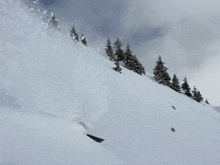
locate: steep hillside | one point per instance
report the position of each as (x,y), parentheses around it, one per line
(53,90)
(217,109)
(49,85)
(138,125)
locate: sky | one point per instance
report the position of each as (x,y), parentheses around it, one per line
(185,33)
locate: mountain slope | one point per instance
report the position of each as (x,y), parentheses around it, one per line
(217,109)
(53,90)
(138,126)
(45,94)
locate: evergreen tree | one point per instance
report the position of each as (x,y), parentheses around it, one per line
(73,34)
(118,51)
(109,50)
(166,79)
(195,94)
(138,68)
(141,68)
(175,84)
(200,98)
(127,55)
(160,73)
(83,39)
(131,62)
(185,87)
(206,101)
(117,68)
(53,21)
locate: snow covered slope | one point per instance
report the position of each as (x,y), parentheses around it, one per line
(138,126)
(217,109)
(53,89)
(47,93)
(36,139)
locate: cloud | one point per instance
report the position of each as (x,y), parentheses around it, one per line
(47,2)
(186,30)
(207,78)
(169,28)
(189,38)
(156,12)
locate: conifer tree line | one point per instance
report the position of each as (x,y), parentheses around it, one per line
(162,77)
(124,57)
(73,34)
(130,61)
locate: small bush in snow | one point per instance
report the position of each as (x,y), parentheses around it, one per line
(83,39)
(206,101)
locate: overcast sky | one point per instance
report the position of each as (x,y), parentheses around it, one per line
(184,32)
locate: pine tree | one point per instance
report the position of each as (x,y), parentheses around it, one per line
(175,84)
(166,79)
(83,39)
(206,101)
(141,69)
(200,98)
(53,21)
(129,60)
(73,33)
(118,51)
(127,55)
(195,94)
(109,50)
(185,87)
(160,73)
(138,68)
(130,64)
(117,68)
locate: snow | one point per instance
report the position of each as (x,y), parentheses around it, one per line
(52,90)
(35,139)
(44,12)
(217,109)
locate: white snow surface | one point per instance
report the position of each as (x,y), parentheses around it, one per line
(52,90)
(217,109)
